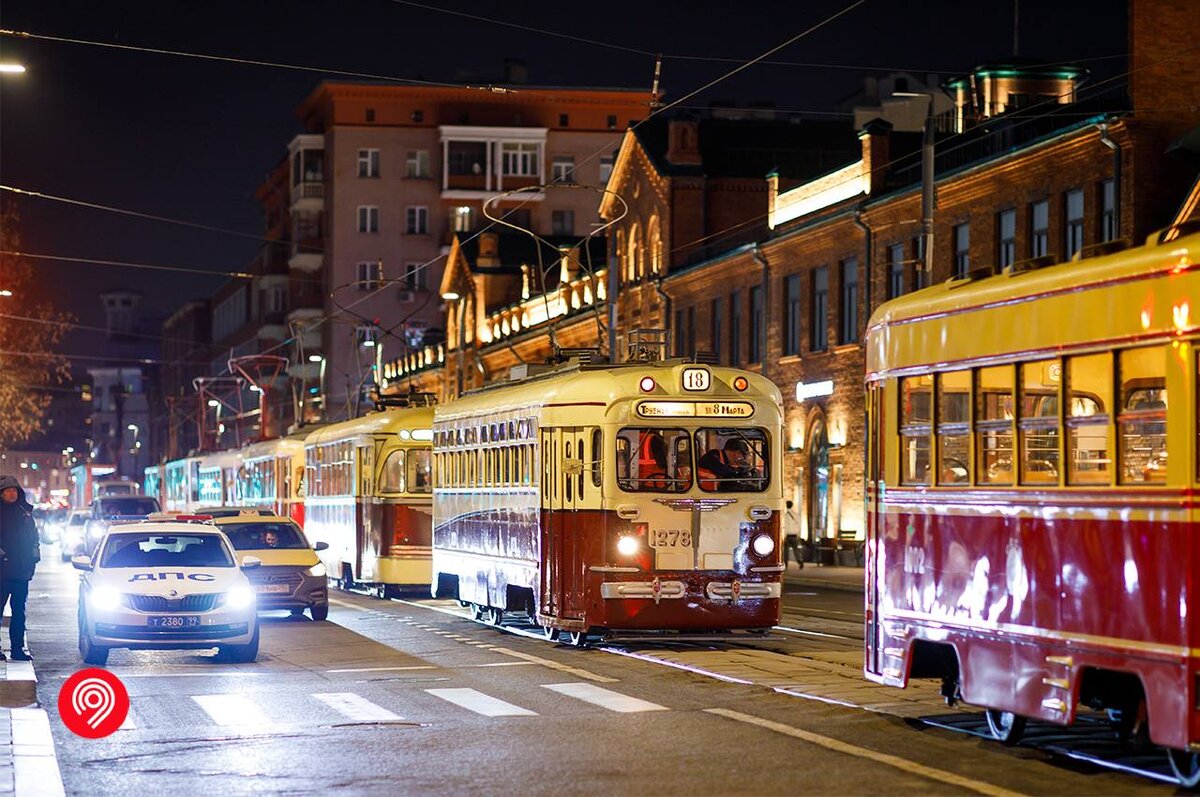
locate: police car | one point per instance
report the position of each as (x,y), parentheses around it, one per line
(163,586)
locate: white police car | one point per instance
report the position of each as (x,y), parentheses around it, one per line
(163,586)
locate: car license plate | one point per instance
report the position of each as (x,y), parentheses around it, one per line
(283,589)
(173,621)
(671,538)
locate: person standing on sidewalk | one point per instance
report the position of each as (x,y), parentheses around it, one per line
(19,541)
(791,536)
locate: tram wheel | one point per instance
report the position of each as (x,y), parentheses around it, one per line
(578,639)
(1185,765)
(1006,727)
(550,632)
(475,611)
(494,616)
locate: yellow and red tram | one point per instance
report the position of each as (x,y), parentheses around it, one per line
(368,490)
(583,498)
(1031,490)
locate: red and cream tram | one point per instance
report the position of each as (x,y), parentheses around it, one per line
(367,494)
(1032,494)
(585,498)
(272,475)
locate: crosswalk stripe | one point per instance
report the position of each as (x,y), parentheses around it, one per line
(130,724)
(480,703)
(605,698)
(355,707)
(231,710)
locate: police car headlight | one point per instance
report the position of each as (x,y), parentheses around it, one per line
(239,597)
(104,598)
(317,570)
(763,544)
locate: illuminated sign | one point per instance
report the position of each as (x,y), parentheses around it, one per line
(695,409)
(695,380)
(807,390)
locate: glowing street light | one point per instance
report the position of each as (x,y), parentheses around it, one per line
(315,358)
(13,69)
(6,293)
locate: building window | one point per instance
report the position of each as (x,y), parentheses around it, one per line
(417,116)
(414,277)
(691,332)
(606,167)
(564,120)
(368,163)
(417,163)
(756,323)
(1074,225)
(370,114)
(848,311)
(611,122)
(1108,211)
(819,321)
(735,328)
(276,299)
(519,159)
(368,218)
(370,273)
(562,222)
(716,327)
(1006,235)
(962,250)
(791,314)
(563,169)
(1039,228)
(895,272)
(462,218)
(680,334)
(416,220)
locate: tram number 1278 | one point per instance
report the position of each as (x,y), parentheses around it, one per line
(671,538)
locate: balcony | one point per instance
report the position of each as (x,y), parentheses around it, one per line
(480,162)
(306,154)
(308,196)
(308,255)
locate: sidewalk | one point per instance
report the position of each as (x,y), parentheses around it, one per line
(28,764)
(840,578)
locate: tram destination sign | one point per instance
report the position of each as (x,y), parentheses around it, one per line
(695,409)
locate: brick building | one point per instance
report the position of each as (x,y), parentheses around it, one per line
(1041,180)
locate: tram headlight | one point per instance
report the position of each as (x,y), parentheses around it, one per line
(627,545)
(647,384)
(763,544)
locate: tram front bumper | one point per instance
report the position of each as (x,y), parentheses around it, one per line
(733,590)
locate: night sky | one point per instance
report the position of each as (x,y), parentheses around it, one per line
(191,139)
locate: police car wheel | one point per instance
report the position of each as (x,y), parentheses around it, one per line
(241,654)
(320,611)
(91,654)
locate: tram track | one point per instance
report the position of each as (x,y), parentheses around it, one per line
(1089,739)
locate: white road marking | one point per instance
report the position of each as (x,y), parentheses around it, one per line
(480,703)
(677,665)
(554,665)
(356,707)
(35,765)
(130,724)
(605,698)
(232,710)
(434,667)
(939,775)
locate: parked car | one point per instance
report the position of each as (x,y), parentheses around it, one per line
(74,534)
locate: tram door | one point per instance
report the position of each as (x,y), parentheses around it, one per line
(561,570)
(874,483)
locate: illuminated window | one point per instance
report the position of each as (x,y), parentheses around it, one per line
(1037,421)
(953,427)
(1142,423)
(1089,399)
(994,425)
(915,426)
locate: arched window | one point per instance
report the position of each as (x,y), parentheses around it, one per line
(633,254)
(654,245)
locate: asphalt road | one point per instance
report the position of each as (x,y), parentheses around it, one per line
(411,697)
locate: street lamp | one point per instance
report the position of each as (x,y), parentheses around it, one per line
(12,69)
(6,293)
(926,180)
(317,358)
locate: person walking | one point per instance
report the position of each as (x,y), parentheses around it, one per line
(791,536)
(18,558)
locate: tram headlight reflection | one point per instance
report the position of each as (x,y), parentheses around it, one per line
(763,544)
(627,545)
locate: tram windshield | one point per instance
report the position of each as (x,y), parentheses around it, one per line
(654,460)
(734,460)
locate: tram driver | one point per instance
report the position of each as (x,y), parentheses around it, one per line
(727,468)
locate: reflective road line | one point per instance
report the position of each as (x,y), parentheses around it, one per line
(232,710)
(481,703)
(355,707)
(941,776)
(605,698)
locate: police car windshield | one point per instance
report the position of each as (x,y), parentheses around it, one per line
(165,550)
(140,505)
(263,536)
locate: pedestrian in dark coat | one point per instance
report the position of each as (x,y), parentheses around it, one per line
(20,555)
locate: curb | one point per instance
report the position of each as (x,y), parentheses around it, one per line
(28,763)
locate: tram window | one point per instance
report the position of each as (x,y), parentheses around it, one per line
(1142,424)
(954,430)
(654,460)
(567,480)
(597,449)
(420,470)
(583,462)
(393,473)
(994,425)
(1037,421)
(1089,397)
(915,420)
(734,460)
